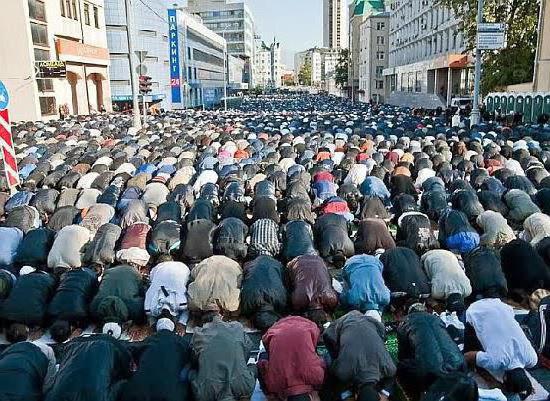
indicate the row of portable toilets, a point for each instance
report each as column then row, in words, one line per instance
column 531, row 105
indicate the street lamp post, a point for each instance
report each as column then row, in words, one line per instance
column 475, row 114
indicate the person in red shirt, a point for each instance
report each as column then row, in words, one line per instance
column 293, row 369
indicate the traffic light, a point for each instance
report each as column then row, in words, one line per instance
column 144, row 84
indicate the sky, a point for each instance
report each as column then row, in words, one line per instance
column 297, row 24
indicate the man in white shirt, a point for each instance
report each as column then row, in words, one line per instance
column 166, row 297
column 506, row 351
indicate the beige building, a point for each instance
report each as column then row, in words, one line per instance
column 359, row 11
column 373, row 58
column 541, row 80
column 323, row 63
column 335, row 24
column 427, row 64
column 66, row 30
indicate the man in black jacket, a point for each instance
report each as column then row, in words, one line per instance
column 92, row 368
column 361, row 362
column 25, row 368
column 162, row 362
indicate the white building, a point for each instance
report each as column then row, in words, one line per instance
column 323, row 63
column 427, row 66
column 234, row 21
column 150, row 35
column 335, row 24
column 43, row 30
column 201, row 63
column 268, row 64
column 374, row 48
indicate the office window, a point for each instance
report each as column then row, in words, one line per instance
column 37, row 10
column 379, row 70
column 96, row 17
column 379, row 40
column 379, row 84
column 41, row 55
column 86, row 13
column 189, row 73
column 75, row 11
column 68, row 12
column 62, row 7
column 380, row 55
column 47, row 106
column 380, row 26
column 45, row 85
column 188, row 53
column 39, row 34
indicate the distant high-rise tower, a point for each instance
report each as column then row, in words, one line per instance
column 335, row 24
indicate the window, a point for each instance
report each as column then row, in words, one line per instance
column 96, row 17
column 41, row 55
column 39, row 34
column 379, row 84
column 45, row 85
column 68, row 12
column 379, row 40
column 380, row 55
column 189, row 73
column 86, row 13
column 152, row 59
column 37, row 10
column 147, row 32
column 120, row 82
column 62, row 7
column 47, row 106
column 379, row 70
column 380, row 26
column 188, row 53
column 75, row 11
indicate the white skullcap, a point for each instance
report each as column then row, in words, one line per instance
column 112, row 329
column 165, row 324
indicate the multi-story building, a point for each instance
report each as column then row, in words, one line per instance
column 359, row 11
column 335, row 24
column 150, row 35
column 234, row 22
column 374, row 48
column 71, row 31
column 323, row 63
column 542, row 61
column 198, row 66
column 426, row 66
column 235, row 74
column 268, row 64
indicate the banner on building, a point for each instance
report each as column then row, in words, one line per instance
column 175, row 76
column 6, row 143
column 51, row 69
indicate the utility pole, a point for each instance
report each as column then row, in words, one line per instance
column 475, row 114
column 133, row 80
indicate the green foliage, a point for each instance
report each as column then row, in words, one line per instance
column 342, row 69
column 513, row 65
column 304, row 76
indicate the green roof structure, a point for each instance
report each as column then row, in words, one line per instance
column 368, row 6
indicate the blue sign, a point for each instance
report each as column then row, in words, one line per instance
column 175, row 77
column 4, row 97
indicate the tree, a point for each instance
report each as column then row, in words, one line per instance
column 304, row 76
column 342, row 69
column 514, row 64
